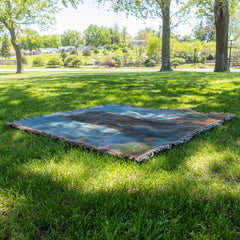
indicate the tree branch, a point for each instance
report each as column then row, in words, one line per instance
column 5, row 23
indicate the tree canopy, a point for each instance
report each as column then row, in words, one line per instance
column 145, row 9
column 97, row 36
column 71, row 38
column 5, row 49
column 17, row 15
column 220, row 10
column 22, row 13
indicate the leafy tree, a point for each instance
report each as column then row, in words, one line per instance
column 145, row 8
column 124, row 35
column 72, row 38
column 5, row 49
column 221, row 13
column 210, row 47
column 181, row 50
column 51, row 41
column 193, row 50
column 46, row 41
column 16, row 15
column 144, row 34
column 186, row 38
column 23, row 42
column 140, row 50
column 97, row 36
column 154, row 48
column 221, row 10
column 31, row 41
column 74, row 3
column 194, row 47
column 234, row 26
column 205, row 33
column 115, row 35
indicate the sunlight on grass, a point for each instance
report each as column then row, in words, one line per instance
column 5, row 207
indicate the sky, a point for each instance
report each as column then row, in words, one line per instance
column 88, row 13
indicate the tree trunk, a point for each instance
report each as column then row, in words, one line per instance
column 17, row 48
column 165, row 8
column 221, row 12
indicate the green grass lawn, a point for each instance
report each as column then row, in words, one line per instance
column 52, row 190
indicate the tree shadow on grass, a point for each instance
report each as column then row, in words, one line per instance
column 38, row 95
column 71, row 90
column 43, row 206
column 110, row 198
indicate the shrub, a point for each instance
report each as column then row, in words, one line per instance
column 109, row 48
column 96, row 50
column 180, row 54
column 68, row 60
column 118, row 52
column 130, row 63
column 105, row 52
column 86, row 52
column 109, row 61
column 131, row 46
column 97, row 62
column 150, row 62
column 203, row 59
column 76, row 62
column 195, row 56
column 73, row 61
column 211, row 57
column 74, row 51
column 175, row 64
column 115, row 46
column 54, row 62
column 138, row 62
column 236, row 55
column 119, row 60
column 63, row 54
column 201, row 65
column 178, row 60
column 38, row 62
column 125, row 50
column 126, row 59
column 122, row 45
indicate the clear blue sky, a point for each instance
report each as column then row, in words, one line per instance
column 89, row 13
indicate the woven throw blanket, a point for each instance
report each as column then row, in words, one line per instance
column 125, row 131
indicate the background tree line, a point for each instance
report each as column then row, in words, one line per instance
column 17, row 15
column 94, row 36
column 196, row 48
